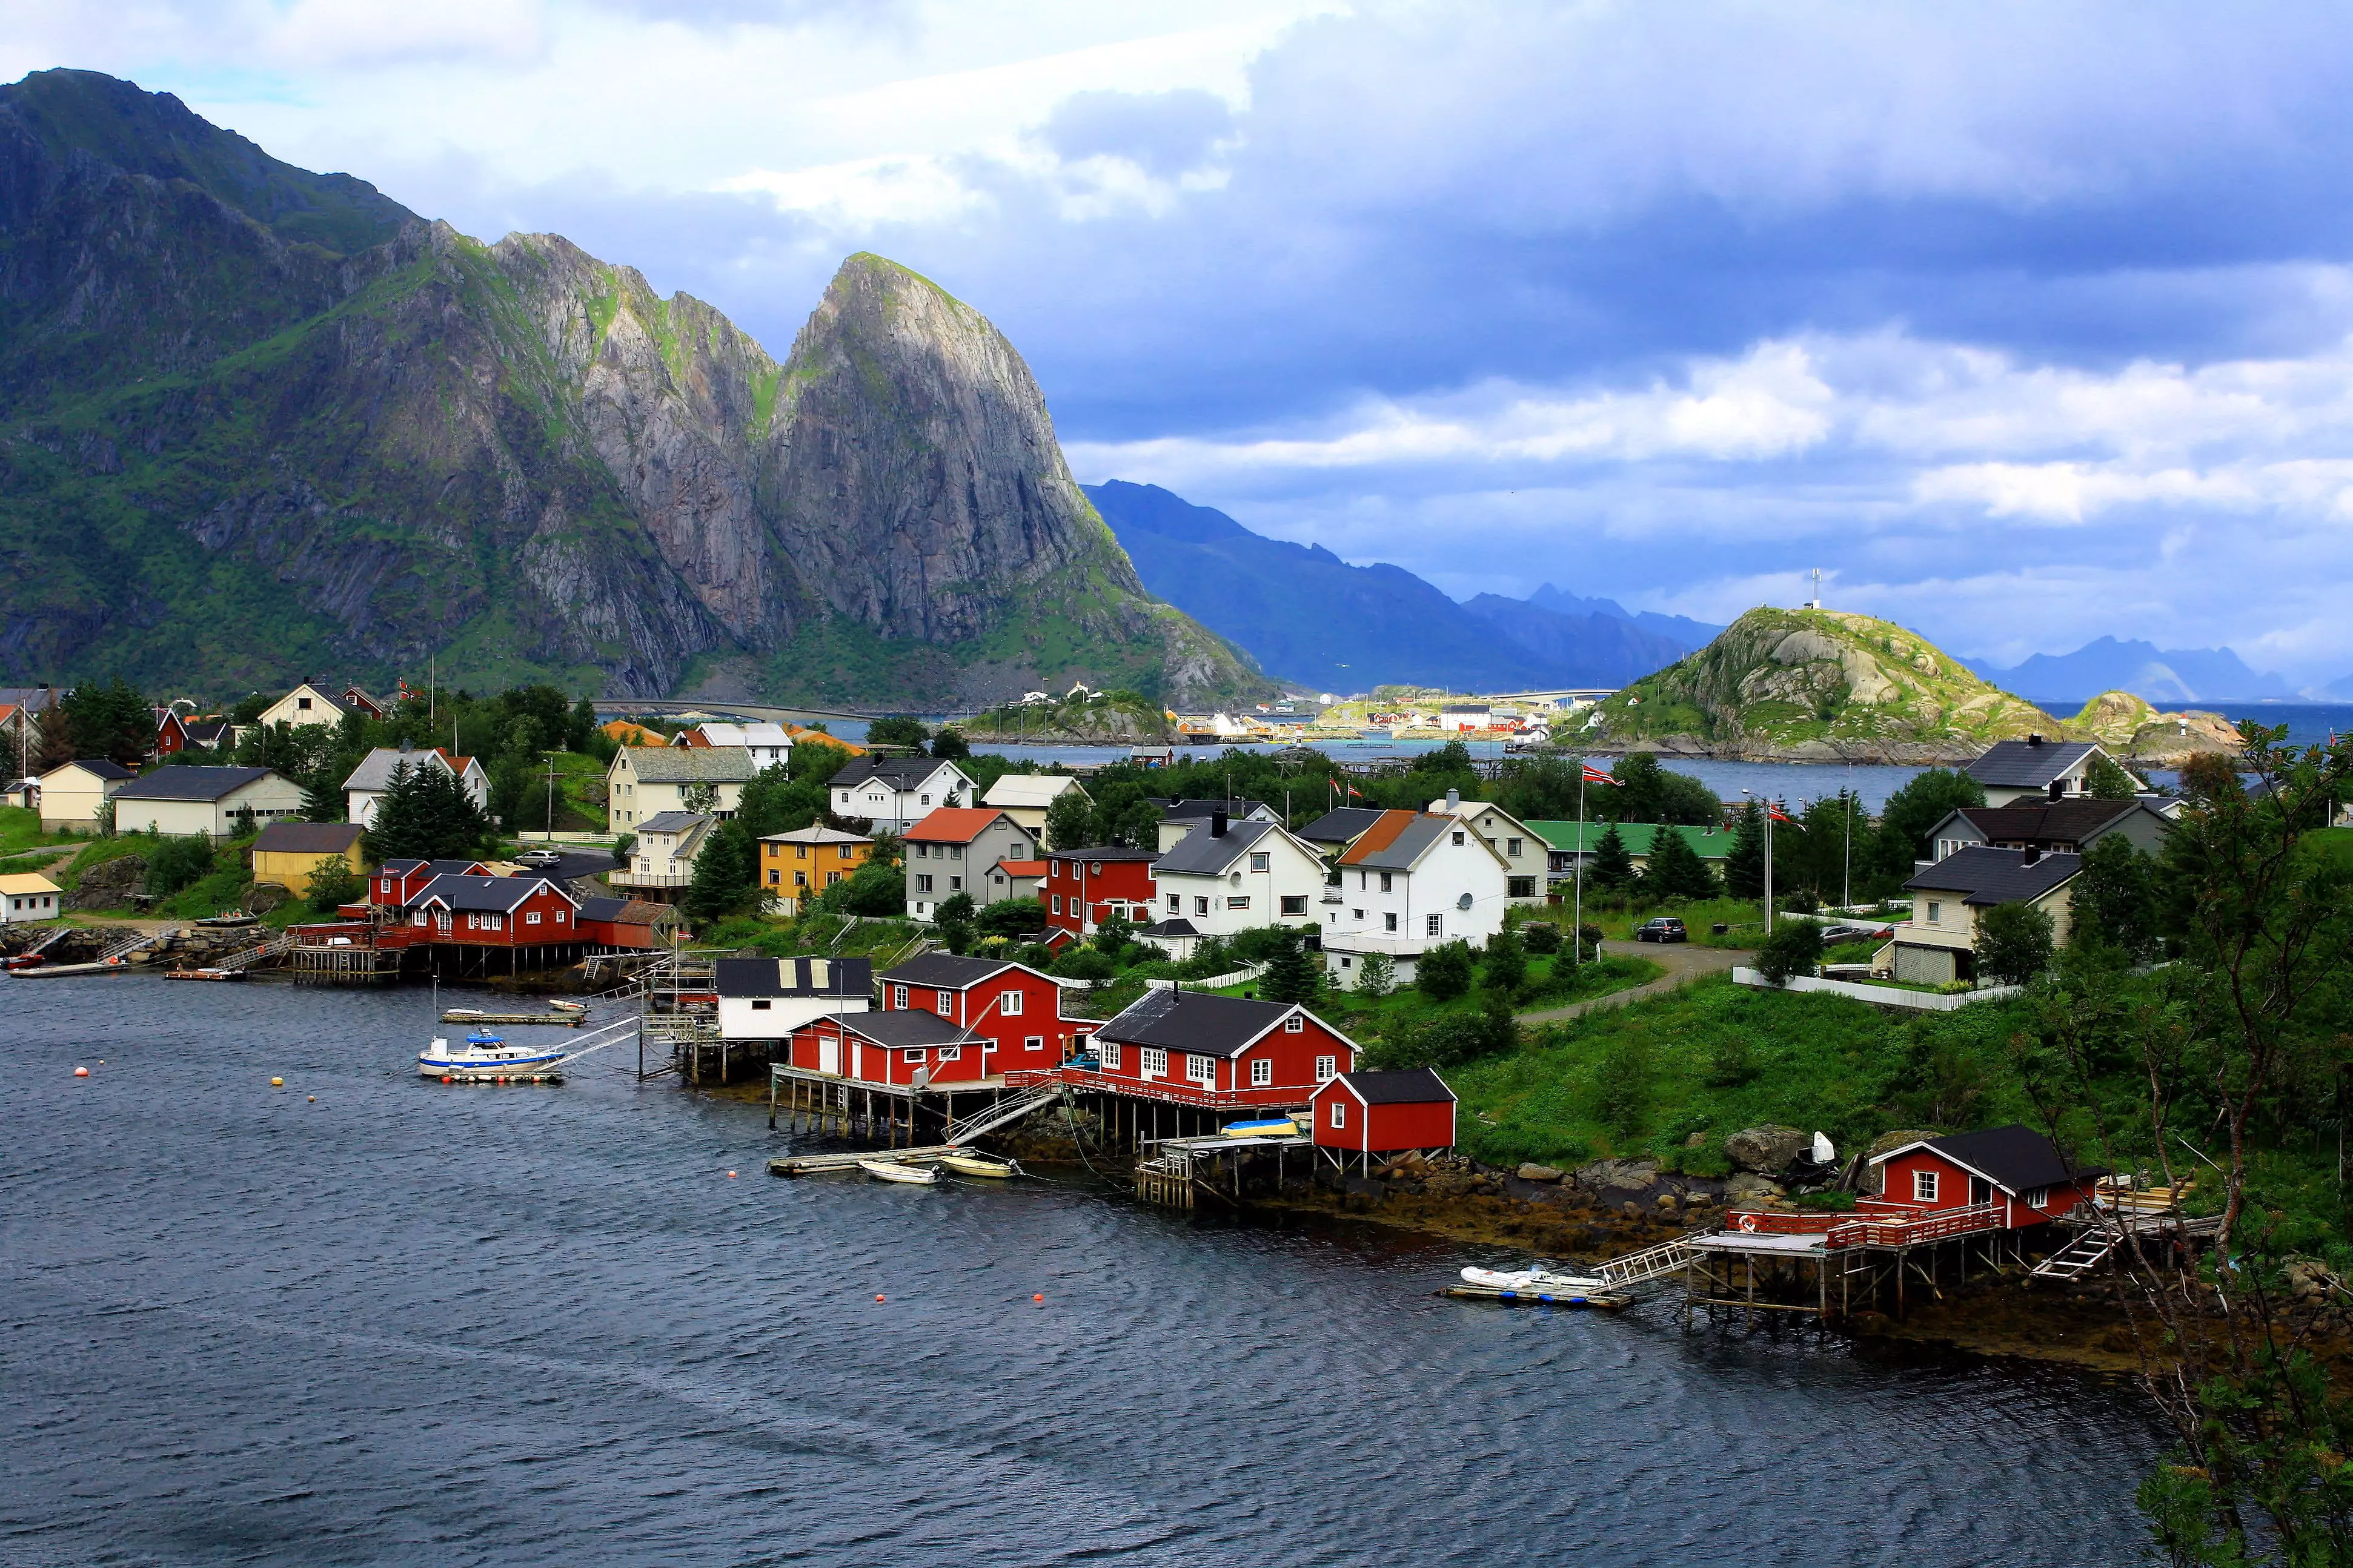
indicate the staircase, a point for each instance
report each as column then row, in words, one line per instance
column 2079, row 1256
column 1004, row 1113
column 1650, row 1263
column 126, row 945
column 50, row 941
column 245, row 958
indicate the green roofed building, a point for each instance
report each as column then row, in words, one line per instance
column 1569, row 841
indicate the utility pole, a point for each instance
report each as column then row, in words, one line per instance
column 1577, row 910
column 551, row 796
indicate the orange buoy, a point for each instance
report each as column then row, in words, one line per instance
column 445, row 1077
column 278, row 1083
column 731, row 1175
column 878, row 1297
column 82, row 1072
column 1038, row 1297
column 314, row 1100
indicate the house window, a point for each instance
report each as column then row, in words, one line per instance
column 898, row 996
column 1295, row 1025
column 800, row 878
column 1520, row 887
column 1385, row 881
column 1152, row 1062
column 1924, row 1186
column 776, row 876
column 1262, row 1073
column 1095, row 870
column 1339, row 1113
column 1034, row 1043
column 1294, row 903
column 915, row 1055
column 831, row 878
column 1011, row 1006
column 926, row 799
column 1257, row 861
column 1433, row 925
column 2037, row 1197
column 1201, row 906
column 532, row 918
column 1512, row 847
column 1109, row 1050
column 800, row 851
column 1389, row 921
column 1175, row 904
column 955, row 852
column 951, row 1053
column 302, row 704
column 955, row 884
column 924, row 883
column 946, row 1002
column 1239, row 902
column 762, row 1005
column 1936, row 913
column 1326, row 1069
column 1202, row 1069
column 559, row 917
column 1054, row 870
column 1057, row 903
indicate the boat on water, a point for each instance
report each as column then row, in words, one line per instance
column 231, row 920
column 1530, row 1279
column 486, row 1057
column 892, row 1171
column 563, row 1006
column 971, row 1163
column 1269, row 1126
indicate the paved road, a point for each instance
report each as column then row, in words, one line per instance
column 1681, row 961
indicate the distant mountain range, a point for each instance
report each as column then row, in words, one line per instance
column 2158, row 674
column 1309, row 616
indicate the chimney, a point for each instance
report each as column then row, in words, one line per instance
column 2033, row 852
column 2034, row 740
column 403, row 746
column 1217, row 824
column 1453, row 799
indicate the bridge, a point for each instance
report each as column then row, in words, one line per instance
column 763, row 712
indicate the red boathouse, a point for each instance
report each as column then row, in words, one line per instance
column 2014, row 1172
column 1369, row 1113
column 1196, row 1049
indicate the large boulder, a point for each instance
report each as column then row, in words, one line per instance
column 1532, row 1171
column 109, row 884
column 1618, row 1175
column 1769, row 1150
column 1749, row 1187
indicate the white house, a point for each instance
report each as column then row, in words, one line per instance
column 769, row 744
column 311, row 704
column 896, row 793
column 1524, row 852
column 768, row 998
column 1179, row 817
column 73, row 793
column 1025, row 797
column 1228, row 876
column 665, row 851
column 1411, row 882
column 1938, row 947
column 29, row 895
column 646, row 780
column 2020, row 772
column 365, row 788
column 189, row 801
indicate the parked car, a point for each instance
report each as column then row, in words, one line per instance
column 539, row 859
column 1833, row 936
column 1663, row 928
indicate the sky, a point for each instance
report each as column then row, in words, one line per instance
column 2023, row 324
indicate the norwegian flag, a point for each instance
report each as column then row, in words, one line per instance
column 1777, row 813
column 1347, row 790
column 1595, row 775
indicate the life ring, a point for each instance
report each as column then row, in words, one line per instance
column 1748, row 1223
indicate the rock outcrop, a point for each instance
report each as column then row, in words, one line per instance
column 2135, row 731
column 261, row 422
column 1818, row 686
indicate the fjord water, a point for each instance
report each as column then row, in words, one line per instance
column 417, row 1324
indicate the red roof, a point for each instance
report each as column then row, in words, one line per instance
column 954, row 825
column 1379, row 836
column 1022, row 867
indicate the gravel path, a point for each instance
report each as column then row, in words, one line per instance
column 1681, row 961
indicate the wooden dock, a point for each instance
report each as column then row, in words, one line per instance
column 569, row 1020
column 816, row 1165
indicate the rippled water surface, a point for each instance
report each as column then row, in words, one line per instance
column 409, row 1324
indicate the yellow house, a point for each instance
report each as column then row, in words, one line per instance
column 809, row 859
column 288, row 853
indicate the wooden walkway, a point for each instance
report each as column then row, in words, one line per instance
column 816, row 1164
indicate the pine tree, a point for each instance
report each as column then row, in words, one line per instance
column 1291, row 975
column 1744, row 866
column 727, row 874
column 1069, row 820
column 399, row 830
column 323, row 798
column 1613, row 867
column 1676, row 871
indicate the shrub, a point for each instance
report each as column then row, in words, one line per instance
column 1291, row 975
column 1085, row 964
column 1453, row 1038
column 1794, row 949
column 1730, row 1063
column 178, row 862
column 1540, row 937
column 2013, row 942
column 1622, row 1084
column 1505, row 966
column 332, row 883
column 1376, row 976
column 1444, row 972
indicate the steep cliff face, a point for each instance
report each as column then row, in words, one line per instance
column 260, row 422
column 1820, row 685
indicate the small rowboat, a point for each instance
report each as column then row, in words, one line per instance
column 1272, row 1127
column 1531, row 1279
column 892, row 1171
column 969, row 1163
column 563, row 1006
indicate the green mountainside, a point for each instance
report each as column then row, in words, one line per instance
column 257, row 424
column 1819, row 685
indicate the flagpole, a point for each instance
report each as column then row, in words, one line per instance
column 1576, row 917
column 1768, row 867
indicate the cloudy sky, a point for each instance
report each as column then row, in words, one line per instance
column 2023, row 323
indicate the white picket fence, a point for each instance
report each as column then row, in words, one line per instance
column 1231, row 977
column 1883, row 996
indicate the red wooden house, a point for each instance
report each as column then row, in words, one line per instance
column 398, row 884
column 892, row 1047
column 2014, row 1170
column 1012, row 1013
column 1086, row 886
column 1368, row 1114
column 495, row 912
column 626, row 923
column 1192, row 1048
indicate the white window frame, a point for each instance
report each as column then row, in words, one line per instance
column 1034, row 1043
column 1261, row 1072
column 1237, row 901
column 898, row 996
column 1152, row 1062
column 1925, row 1185
column 912, row 1056
column 1201, row 1069
column 1107, row 1052
column 1339, row 1113
column 1326, row 1069
column 951, row 1053
column 1433, row 925
column 1259, row 861
column 1295, row 1025
column 945, row 1003
column 1009, row 1003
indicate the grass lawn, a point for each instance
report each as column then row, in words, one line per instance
column 1552, row 982
column 21, row 829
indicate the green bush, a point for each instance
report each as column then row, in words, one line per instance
column 176, row 863
column 1622, row 1084
column 1540, row 937
column 1444, row 972
column 1794, row 949
column 1504, row 965
column 1079, row 963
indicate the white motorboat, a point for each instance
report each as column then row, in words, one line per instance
column 563, row 1006
column 892, row 1171
column 486, row 1057
column 1531, row 1278
column 971, row 1163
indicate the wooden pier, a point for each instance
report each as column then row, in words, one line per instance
column 1181, row 1170
column 816, row 1164
column 568, row 1020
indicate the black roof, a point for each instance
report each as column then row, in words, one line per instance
column 1199, row 854
column 1102, row 852
column 1341, row 825
column 1171, row 929
column 1200, row 1023
column 1409, row 1086
column 2027, row 765
column 907, row 1027
column 104, row 767
column 2069, row 820
column 2016, row 1158
column 308, row 837
column 1984, row 874
column 899, row 773
column 193, row 783
column 1176, row 808
column 496, row 895
column 947, row 971
column 601, row 908
column 794, row 977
